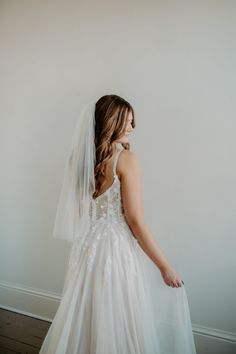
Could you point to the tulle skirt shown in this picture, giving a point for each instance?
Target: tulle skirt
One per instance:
(114, 301)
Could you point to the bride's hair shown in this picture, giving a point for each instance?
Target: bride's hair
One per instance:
(111, 114)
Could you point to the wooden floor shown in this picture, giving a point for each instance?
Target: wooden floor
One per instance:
(20, 333)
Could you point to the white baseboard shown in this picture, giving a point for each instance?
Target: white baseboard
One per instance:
(213, 341)
(43, 305)
(29, 301)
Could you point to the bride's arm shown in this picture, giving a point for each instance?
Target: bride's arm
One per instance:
(131, 192)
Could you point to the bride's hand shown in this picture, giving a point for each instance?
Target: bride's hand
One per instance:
(171, 277)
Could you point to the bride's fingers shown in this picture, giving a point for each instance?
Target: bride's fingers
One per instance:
(176, 284)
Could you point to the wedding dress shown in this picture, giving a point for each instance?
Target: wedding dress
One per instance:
(114, 300)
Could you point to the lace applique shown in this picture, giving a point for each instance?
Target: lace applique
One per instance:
(108, 206)
(130, 263)
(75, 253)
(91, 252)
(107, 269)
(114, 239)
(107, 209)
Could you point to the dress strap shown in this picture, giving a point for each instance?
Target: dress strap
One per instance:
(115, 160)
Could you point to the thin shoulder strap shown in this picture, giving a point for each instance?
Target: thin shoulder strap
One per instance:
(115, 160)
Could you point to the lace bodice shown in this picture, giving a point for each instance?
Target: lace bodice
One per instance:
(108, 206)
(107, 223)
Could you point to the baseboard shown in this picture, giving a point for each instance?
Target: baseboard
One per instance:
(213, 341)
(43, 305)
(29, 301)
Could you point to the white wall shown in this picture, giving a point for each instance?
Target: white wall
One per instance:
(174, 61)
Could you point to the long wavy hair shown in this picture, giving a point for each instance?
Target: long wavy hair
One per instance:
(111, 117)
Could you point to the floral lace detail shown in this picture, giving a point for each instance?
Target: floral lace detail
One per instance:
(105, 211)
(91, 255)
(108, 206)
(130, 263)
(107, 269)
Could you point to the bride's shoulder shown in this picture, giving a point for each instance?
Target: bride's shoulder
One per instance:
(128, 161)
(129, 155)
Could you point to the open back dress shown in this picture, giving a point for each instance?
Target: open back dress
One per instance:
(114, 299)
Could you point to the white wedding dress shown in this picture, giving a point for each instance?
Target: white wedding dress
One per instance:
(114, 300)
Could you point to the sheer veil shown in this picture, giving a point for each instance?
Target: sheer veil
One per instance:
(72, 216)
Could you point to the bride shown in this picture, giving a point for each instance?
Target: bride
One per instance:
(121, 295)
